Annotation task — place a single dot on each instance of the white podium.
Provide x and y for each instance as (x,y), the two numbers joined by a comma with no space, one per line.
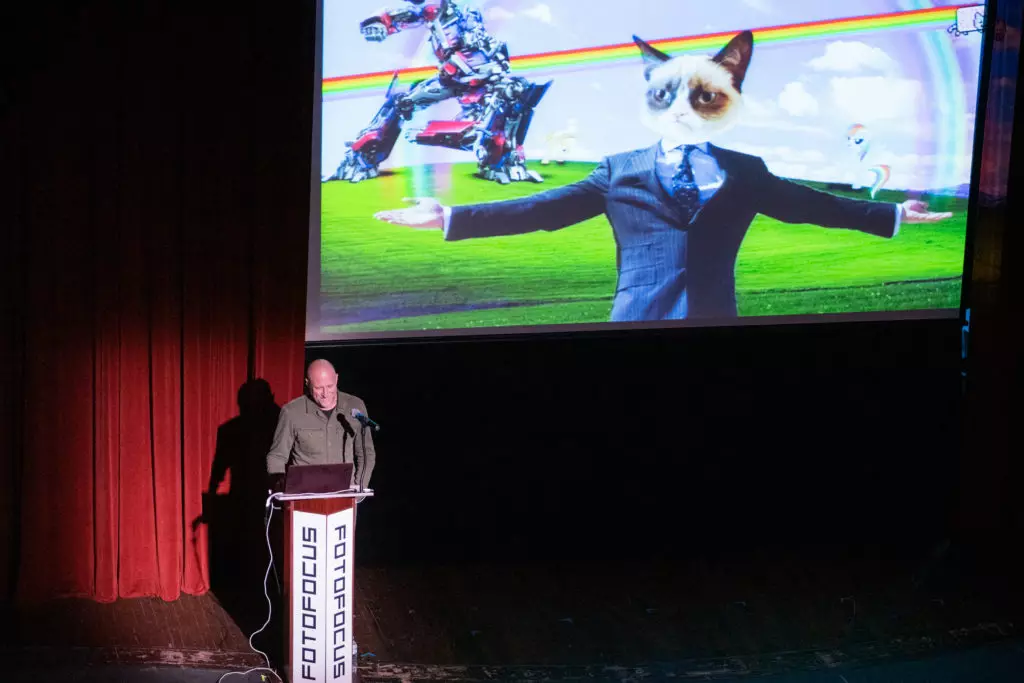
(319,585)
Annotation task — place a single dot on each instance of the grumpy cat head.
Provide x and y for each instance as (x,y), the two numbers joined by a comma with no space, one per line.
(691,99)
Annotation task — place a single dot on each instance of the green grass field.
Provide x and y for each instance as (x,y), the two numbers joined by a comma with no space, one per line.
(377,276)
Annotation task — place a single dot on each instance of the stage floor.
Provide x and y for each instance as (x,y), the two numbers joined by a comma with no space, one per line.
(1003,661)
(759,616)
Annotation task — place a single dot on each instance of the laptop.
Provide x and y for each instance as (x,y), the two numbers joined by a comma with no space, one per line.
(318,478)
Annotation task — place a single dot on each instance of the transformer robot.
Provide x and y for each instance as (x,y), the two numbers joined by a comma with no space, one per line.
(473,67)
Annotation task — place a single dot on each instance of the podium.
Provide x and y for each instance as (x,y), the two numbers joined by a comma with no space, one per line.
(319,573)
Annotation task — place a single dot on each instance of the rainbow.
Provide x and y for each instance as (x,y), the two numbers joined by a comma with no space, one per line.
(922,18)
(954,143)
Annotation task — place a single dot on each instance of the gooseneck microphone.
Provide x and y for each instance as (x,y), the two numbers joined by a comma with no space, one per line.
(364,419)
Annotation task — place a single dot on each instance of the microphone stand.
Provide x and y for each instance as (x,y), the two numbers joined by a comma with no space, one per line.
(362,455)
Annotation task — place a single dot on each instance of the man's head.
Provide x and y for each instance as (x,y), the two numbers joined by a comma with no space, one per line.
(322,384)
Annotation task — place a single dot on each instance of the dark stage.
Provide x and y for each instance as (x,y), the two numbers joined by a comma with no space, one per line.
(832,616)
(828,501)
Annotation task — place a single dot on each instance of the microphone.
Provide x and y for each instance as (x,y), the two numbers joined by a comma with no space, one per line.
(364,420)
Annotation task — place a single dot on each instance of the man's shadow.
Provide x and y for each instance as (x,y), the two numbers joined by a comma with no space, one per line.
(234,510)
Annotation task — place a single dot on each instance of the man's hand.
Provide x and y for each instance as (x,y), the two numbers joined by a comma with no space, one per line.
(374,32)
(915,211)
(275,482)
(426,214)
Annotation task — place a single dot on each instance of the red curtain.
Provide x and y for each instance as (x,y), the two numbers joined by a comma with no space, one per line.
(160,209)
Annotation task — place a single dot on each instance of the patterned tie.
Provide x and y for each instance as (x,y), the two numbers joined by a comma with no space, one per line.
(684,189)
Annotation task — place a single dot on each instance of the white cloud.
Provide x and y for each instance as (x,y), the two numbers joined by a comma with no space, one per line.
(851,57)
(909,160)
(788,170)
(791,162)
(783,154)
(766,114)
(796,101)
(782,124)
(498,14)
(756,107)
(759,5)
(540,12)
(868,99)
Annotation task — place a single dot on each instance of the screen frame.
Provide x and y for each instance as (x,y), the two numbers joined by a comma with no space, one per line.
(314,338)
(974,197)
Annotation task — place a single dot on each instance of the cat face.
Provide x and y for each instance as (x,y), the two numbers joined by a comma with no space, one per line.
(691,99)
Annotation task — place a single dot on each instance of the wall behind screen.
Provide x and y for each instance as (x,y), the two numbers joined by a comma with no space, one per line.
(690,443)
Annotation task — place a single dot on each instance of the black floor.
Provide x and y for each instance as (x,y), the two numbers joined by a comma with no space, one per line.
(994,663)
(845,616)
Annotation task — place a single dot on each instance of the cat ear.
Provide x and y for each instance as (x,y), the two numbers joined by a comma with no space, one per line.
(736,57)
(653,57)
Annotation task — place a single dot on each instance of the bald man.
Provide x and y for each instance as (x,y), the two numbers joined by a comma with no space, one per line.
(317,428)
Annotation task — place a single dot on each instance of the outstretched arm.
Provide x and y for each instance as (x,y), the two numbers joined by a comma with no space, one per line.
(792,202)
(550,210)
(377,28)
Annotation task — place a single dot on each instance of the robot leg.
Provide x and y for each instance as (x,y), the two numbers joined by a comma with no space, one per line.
(375,142)
(500,152)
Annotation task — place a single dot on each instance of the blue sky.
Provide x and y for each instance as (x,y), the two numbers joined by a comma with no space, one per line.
(799,98)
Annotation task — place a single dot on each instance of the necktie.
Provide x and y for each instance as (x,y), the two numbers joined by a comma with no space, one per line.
(684,188)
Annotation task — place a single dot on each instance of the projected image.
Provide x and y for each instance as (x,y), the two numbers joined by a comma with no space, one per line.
(495,164)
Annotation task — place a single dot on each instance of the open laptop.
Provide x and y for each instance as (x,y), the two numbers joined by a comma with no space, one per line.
(318,478)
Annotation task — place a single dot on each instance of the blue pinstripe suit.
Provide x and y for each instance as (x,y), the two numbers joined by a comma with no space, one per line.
(671,267)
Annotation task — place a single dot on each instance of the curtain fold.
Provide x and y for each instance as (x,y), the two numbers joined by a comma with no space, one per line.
(162,250)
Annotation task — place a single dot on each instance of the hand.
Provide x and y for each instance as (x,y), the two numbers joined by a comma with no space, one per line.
(275,483)
(915,211)
(374,32)
(426,214)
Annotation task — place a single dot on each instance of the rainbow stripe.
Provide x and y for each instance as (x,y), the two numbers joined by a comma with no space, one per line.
(925,18)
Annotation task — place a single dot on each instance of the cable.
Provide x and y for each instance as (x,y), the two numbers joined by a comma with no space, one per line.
(308,496)
(270,605)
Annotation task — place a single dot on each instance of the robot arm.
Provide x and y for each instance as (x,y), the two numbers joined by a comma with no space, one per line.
(379,27)
(498,53)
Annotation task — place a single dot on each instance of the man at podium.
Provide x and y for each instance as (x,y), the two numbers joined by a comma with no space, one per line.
(324,445)
(322,427)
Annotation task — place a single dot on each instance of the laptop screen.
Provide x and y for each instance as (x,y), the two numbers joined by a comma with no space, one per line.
(318,478)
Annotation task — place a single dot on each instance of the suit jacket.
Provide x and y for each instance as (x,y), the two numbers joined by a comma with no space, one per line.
(668,267)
